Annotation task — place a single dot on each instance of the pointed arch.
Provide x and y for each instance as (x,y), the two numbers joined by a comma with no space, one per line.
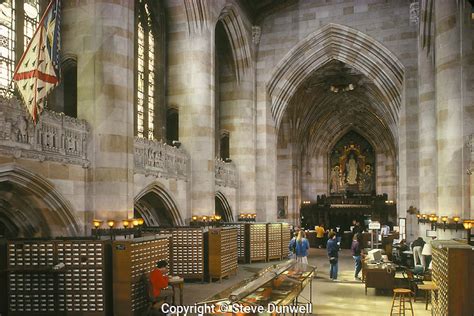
(32,201)
(226,209)
(145,203)
(334,41)
(238,39)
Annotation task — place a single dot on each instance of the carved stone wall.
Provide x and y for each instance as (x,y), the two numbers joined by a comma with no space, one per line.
(226,174)
(56,137)
(159,159)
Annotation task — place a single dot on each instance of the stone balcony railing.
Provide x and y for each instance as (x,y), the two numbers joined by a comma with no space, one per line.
(226,174)
(55,137)
(160,159)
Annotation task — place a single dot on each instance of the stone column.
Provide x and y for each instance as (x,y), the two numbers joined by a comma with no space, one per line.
(196,120)
(102,37)
(428,171)
(238,116)
(449,112)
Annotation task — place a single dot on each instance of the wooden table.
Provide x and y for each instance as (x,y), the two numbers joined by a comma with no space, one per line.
(427,287)
(177,283)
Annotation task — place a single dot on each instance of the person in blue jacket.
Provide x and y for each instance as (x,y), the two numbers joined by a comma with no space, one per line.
(333,251)
(301,247)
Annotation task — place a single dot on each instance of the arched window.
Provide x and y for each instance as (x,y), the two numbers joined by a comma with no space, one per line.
(172,126)
(18,22)
(149,119)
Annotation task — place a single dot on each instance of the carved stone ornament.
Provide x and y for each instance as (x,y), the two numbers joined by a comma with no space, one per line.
(159,159)
(56,137)
(225,173)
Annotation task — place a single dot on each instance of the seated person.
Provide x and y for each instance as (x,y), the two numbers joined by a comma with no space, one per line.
(159,290)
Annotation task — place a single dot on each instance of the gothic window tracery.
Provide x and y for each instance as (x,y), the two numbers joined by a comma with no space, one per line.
(145,74)
(18,22)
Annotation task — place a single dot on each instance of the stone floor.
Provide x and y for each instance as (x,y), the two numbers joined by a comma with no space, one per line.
(345,297)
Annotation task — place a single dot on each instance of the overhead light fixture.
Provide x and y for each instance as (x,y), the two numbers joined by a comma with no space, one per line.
(343,88)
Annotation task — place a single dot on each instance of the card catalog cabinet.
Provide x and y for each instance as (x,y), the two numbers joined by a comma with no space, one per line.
(82,284)
(187,251)
(256,241)
(453,273)
(78,288)
(222,251)
(285,239)
(133,260)
(274,246)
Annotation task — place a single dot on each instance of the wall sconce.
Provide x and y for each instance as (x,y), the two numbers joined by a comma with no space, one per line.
(468,225)
(444,219)
(110,223)
(418,216)
(218,217)
(141,221)
(433,219)
(456,221)
(125,223)
(134,222)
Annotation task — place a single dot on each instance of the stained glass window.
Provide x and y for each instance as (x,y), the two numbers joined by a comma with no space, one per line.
(9,32)
(145,98)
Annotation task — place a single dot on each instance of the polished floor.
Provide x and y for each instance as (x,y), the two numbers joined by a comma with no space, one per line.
(344,297)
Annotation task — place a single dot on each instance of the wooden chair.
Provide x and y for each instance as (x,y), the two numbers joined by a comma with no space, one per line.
(403,295)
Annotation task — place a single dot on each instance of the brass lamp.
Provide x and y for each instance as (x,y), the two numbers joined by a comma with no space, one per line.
(135,222)
(444,219)
(467,225)
(140,221)
(424,216)
(125,223)
(111,223)
(456,221)
(194,218)
(97,223)
(218,217)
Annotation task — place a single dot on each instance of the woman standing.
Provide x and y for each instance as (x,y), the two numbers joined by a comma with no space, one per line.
(356,254)
(302,246)
(333,253)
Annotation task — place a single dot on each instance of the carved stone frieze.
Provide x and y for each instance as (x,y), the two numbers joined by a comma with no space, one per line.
(55,137)
(160,159)
(225,173)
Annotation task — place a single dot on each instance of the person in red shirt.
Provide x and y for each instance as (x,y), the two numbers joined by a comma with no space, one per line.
(159,282)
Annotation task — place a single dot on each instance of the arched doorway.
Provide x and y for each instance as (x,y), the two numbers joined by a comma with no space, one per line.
(223,208)
(30,206)
(157,207)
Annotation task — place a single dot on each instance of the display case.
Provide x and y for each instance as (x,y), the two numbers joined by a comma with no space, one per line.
(277,285)
(453,275)
(186,251)
(222,252)
(274,241)
(133,260)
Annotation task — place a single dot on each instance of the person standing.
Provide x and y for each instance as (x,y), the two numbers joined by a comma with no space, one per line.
(301,247)
(356,254)
(417,247)
(319,235)
(333,251)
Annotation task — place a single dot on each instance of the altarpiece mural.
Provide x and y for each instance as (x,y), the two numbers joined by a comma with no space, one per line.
(352,166)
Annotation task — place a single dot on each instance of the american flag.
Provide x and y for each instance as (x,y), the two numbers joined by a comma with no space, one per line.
(37,72)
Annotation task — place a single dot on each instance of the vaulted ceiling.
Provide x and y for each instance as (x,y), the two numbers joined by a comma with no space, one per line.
(332,101)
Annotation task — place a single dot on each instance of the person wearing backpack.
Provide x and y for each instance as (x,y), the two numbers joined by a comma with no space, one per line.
(301,247)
